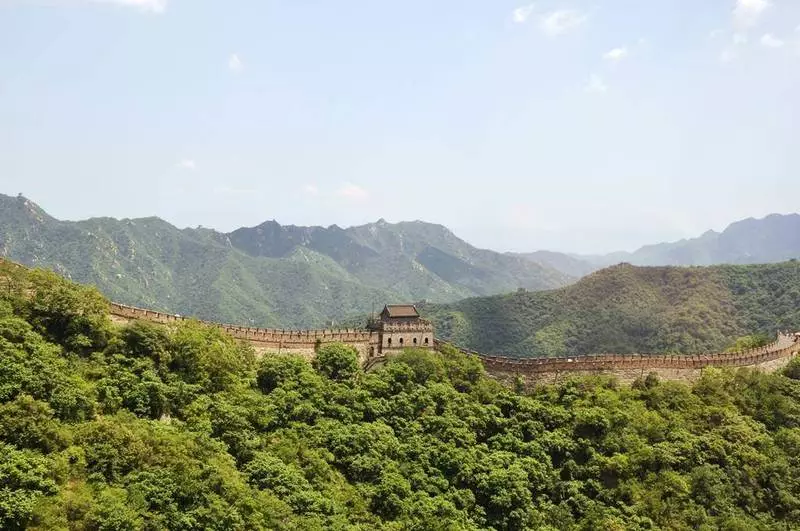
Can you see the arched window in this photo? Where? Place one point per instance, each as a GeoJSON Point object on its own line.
{"type": "Point", "coordinates": [401, 341]}
{"type": "Point", "coordinates": [426, 340]}
{"type": "Point", "coordinates": [389, 341]}
{"type": "Point", "coordinates": [415, 340]}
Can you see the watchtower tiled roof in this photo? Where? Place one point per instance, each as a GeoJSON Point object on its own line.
{"type": "Point", "coordinates": [400, 310]}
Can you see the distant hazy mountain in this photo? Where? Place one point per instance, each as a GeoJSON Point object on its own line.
{"type": "Point", "coordinates": [630, 309]}
{"type": "Point", "coordinates": [568, 264]}
{"type": "Point", "coordinates": [270, 275]}
{"type": "Point", "coordinates": [775, 238]}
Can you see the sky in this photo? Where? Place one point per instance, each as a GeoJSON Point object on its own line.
{"type": "Point", "coordinates": [583, 126]}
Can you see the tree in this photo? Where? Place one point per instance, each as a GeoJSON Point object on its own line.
{"type": "Point", "coordinates": [207, 356]}
{"type": "Point", "coordinates": [426, 365]}
{"type": "Point", "coordinates": [68, 313]}
{"type": "Point", "coordinates": [29, 423]}
{"type": "Point", "coordinates": [750, 342]}
{"type": "Point", "coordinates": [337, 361]}
{"type": "Point", "coordinates": [25, 477]}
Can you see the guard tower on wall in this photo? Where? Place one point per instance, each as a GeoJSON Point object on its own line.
{"type": "Point", "coordinates": [399, 326]}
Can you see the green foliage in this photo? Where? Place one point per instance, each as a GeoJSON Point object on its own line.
{"type": "Point", "coordinates": [25, 476]}
{"type": "Point", "coordinates": [208, 357]}
{"type": "Point", "coordinates": [29, 423]}
{"type": "Point", "coordinates": [70, 314]}
{"type": "Point", "coordinates": [626, 309]}
{"type": "Point", "coordinates": [181, 428]}
{"type": "Point", "coordinates": [750, 342]}
{"type": "Point", "coordinates": [337, 362]}
{"type": "Point", "coordinates": [793, 369]}
{"type": "Point", "coordinates": [285, 371]}
{"type": "Point", "coordinates": [424, 367]}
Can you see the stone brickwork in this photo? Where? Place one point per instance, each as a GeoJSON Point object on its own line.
{"type": "Point", "coordinates": [397, 336]}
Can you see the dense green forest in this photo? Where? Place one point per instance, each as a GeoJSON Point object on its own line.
{"type": "Point", "coordinates": [626, 309]}
{"type": "Point", "coordinates": [143, 427]}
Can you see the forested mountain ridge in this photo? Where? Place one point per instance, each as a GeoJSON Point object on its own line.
{"type": "Point", "coordinates": [270, 275]}
{"type": "Point", "coordinates": [424, 256]}
{"type": "Point", "coordinates": [628, 309]}
{"type": "Point", "coordinates": [775, 238]}
{"type": "Point", "coordinates": [146, 427]}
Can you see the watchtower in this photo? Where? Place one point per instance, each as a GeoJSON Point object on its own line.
{"type": "Point", "coordinates": [400, 326]}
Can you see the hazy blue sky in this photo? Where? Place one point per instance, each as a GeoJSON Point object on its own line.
{"type": "Point", "coordinates": [570, 125]}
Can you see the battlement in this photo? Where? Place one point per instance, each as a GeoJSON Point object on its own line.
{"type": "Point", "coordinates": [242, 332]}
{"type": "Point", "coordinates": [630, 366]}
{"type": "Point", "coordinates": [421, 325]}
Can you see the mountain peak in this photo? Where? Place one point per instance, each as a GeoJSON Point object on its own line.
{"type": "Point", "coordinates": [20, 207]}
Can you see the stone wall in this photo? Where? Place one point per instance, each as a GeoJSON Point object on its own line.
{"type": "Point", "coordinates": [267, 340]}
{"type": "Point", "coordinates": [628, 368]}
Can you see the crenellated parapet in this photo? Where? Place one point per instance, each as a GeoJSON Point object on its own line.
{"type": "Point", "coordinates": [244, 332]}
{"type": "Point", "coordinates": [630, 366]}
{"type": "Point", "coordinates": [423, 325]}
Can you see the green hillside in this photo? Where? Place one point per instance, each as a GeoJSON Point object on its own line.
{"type": "Point", "coordinates": [627, 309]}
{"type": "Point", "coordinates": [270, 275]}
{"type": "Point", "coordinates": [143, 427]}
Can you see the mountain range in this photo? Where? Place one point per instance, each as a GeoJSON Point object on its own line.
{"type": "Point", "coordinates": [270, 275]}
{"type": "Point", "coordinates": [276, 275]}
{"type": "Point", "coordinates": [775, 238]}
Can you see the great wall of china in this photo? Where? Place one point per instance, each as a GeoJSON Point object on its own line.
{"type": "Point", "coordinates": [302, 342]}
{"type": "Point", "coordinates": [629, 367]}
{"type": "Point", "coordinates": [373, 351]}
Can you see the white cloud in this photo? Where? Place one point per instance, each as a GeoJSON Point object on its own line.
{"type": "Point", "coordinates": [770, 41]}
{"type": "Point", "coordinates": [559, 22]}
{"type": "Point", "coordinates": [731, 51]}
{"type": "Point", "coordinates": [232, 191]}
{"type": "Point", "coordinates": [615, 55]}
{"type": "Point", "coordinates": [747, 12]}
{"type": "Point", "coordinates": [311, 189]}
{"type": "Point", "coordinates": [235, 63]}
{"type": "Point", "coordinates": [740, 38]}
{"type": "Point", "coordinates": [150, 6]}
{"type": "Point", "coordinates": [728, 55]}
{"type": "Point", "coordinates": [596, 85]}
{"type": "Point", "coordinates": [187, 164]}
{"type": "Point", "coordinates": [353, 192]}
{"type": "Point", "coordinates": [521, 14]}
